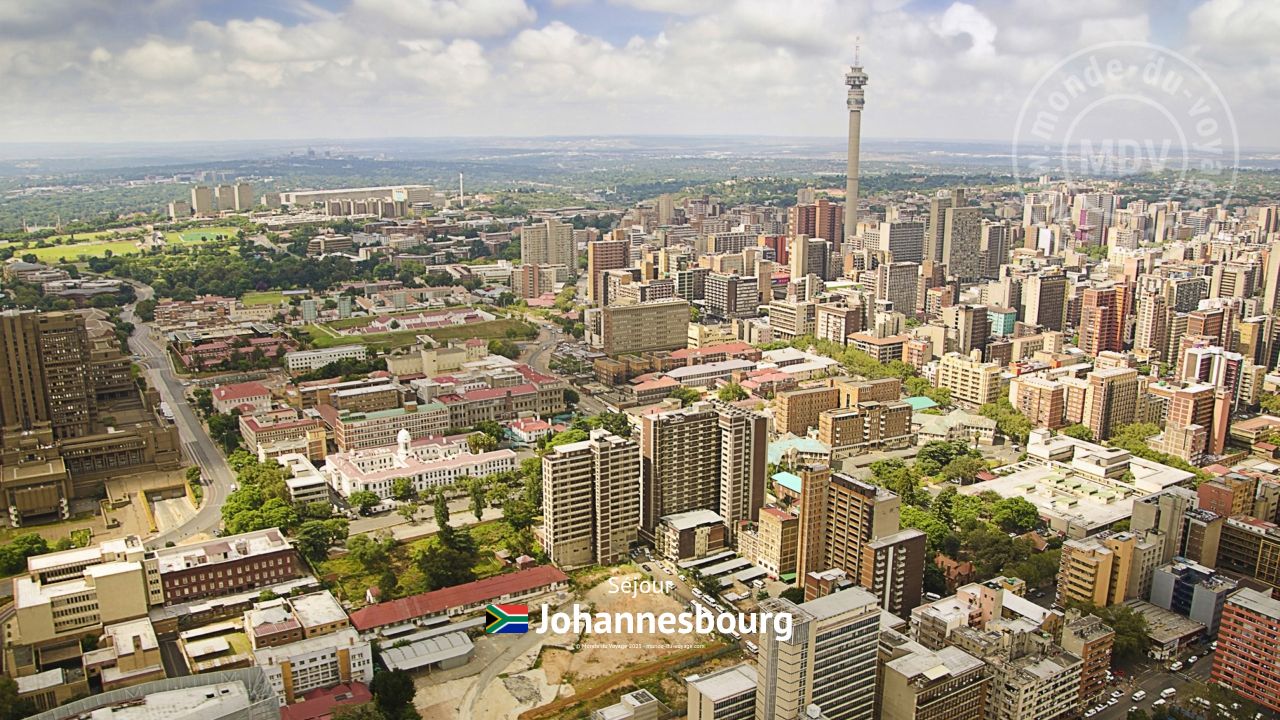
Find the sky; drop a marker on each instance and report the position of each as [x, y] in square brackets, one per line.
[210, 70]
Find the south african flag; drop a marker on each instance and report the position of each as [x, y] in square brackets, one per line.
[501, 619]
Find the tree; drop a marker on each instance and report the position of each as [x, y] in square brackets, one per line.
[13, 557]
[518, 513]
[204, 400]
[11, 708]
[481, 443]
[1016, 514]
[408, 511]
[402, 489]
[1270, 403]
[934, 529]
[313, 539]
[504, 347]
[370, 552]
[440, 508]
[193, 474]
[365, 500]
[963, 470]
[393, 692]
[686, 395]
[572, 435]
[794, 594]
[1078, 431]
[267, 595]
[935, 455]
[1009, 421]
[1131, 630]
[490, 428]
[477, 490]
[616, 423]
[732, 392]
[447, 559]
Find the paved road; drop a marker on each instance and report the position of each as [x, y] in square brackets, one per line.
[198, 447]
[539, 359]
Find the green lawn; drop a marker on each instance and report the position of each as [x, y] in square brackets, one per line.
[270, 297]
[400, 338]
[198, 235]
[88, 250]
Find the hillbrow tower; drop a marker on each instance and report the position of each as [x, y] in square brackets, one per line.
[856, 79]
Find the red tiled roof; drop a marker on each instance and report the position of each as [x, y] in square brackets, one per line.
[439, 601]
[320, 703]
[498, 392]
[238, 391]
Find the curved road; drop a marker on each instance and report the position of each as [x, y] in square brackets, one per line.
[197, 446]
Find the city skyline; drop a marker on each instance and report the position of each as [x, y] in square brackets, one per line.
[401, 68]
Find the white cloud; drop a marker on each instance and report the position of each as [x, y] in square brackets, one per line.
[446, 18]
[159, 69]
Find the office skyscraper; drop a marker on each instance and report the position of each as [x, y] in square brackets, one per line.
[935, 233]
[962, 242]
[45, 373]
[602, 256]
[828, 661]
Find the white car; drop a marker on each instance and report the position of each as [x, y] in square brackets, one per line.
[1192, 660]
[1175, 667]
[1117, 693]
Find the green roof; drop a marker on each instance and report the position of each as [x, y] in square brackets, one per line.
[920, 402]
[790, 481]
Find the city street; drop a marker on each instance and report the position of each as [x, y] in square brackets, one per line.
[196, 443]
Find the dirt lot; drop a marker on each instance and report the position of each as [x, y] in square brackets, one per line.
[547, 670]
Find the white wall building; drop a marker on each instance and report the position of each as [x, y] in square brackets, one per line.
[428, 462]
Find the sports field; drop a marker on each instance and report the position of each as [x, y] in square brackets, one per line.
[269, 297]
[198, 235]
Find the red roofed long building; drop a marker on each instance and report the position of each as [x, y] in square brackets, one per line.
[237, 395]
[461, 599]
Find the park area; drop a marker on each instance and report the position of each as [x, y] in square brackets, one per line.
[269, 297]
[324, 337]
[99, 244]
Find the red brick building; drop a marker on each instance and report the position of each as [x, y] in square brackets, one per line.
[1248, 655]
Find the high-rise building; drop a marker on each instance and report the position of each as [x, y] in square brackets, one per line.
[644, 327]
[709, 456]
[1192, 590]
[923, 684]
[865, 426]
[202, 201]
[1044, 298]
[744, 443]
[902, 240]
[44, 367]
[1248, 656]
[935, 234]
[820, 219]
[604, 255]
[898, 282]
[548, 243]
[1111, 400]
[243, 197]
[969, 326]
[1106, 569]
[856, 80]
[896, 571]
[225, 197]
[962, 243]
[1040, 400]
[1091, 640]
[591, 500]
[972, 382]
[829, 661]
[996, 238]
[1101, 321]
[730, 296]
[726, 694]
[796, 411]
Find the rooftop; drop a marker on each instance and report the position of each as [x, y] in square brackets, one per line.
[439, 601]
[281, 653]
[725, 683]
[834, 604]
[691, 519]
[1254, 601]
[220, 550]
[790, 481]
[1165, 626]
[931, 665]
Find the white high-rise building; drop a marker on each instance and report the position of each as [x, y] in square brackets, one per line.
[829, 661]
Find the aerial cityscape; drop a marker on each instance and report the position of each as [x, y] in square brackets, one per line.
[634, 360]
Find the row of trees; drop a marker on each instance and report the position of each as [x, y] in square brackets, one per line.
[261, 500]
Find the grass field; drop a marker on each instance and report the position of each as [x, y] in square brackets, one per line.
[270, 297]
[484, 330]
[198, 235]
[88, 250]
